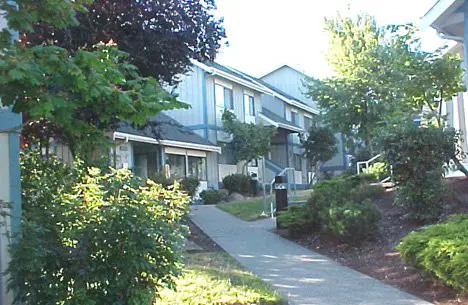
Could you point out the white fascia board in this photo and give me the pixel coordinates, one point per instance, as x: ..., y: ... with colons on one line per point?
x: 142, y: 139
x: 280, y: 125
x: 211, y: 70
x: 435, y: 12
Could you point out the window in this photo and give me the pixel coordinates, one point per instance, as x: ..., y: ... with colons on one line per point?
x: 197, y: 168
x: 308, y: 123
x: 224, y: 100
x: 249, y: 102
x: 176, y: 165
x: 295, y: 118
x: 297, y: 162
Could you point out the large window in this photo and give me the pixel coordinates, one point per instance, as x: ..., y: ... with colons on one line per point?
x: 249, y: 103
x: 181, y: 166
x: 197, y: 168
x: 224, y: 100
x: 295, y: 118
x: 176, y: 165
x: 308, y: 123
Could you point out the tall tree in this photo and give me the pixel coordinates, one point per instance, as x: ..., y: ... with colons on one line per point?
x: 380, y: 73
x: 160, y: 36
x: 81, y: 94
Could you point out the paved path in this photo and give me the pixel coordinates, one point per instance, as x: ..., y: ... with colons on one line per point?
x: 302, y: 276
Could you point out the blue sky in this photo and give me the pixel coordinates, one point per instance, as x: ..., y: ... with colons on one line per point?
x: 265, y: 34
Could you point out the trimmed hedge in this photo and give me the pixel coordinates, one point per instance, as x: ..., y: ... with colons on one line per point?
x: 237, y: 183
x: 440, y: 250
x: 212, y: 196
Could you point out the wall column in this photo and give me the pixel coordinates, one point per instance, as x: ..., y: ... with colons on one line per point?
x: 10, y: 191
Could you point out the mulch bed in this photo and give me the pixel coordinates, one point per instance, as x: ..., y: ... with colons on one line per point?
x: 378, y: 257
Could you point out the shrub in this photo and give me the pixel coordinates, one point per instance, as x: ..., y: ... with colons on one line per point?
x: 353, y: 221
x: 102, y: 237
x: 417, y: 156
x: 212, y: 196
x: 160, y: 178
x: 237, y: 183
x: 339, y: 206
x: 379, y: 170
x: 190, y: 185
x: 440, y: 250
x: 296, y: 220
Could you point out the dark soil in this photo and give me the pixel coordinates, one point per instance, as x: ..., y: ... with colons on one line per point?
x: 378, y: 257
x: 201, y: 239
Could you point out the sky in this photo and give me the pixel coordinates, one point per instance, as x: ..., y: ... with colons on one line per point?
x: 266, y: 34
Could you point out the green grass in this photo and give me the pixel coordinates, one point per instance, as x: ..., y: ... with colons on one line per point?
x: 252, y: 209
x: 214, y: 278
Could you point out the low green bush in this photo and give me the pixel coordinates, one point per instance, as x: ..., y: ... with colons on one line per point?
x: 190, y: 185
x: 213, y: 196
x: 237, y: 183
x: 340, y: 207
x: 440, y: 250
x: 94, y: 236
x: 353, y: 221
x: 296, y: 220
x: 379, y: 170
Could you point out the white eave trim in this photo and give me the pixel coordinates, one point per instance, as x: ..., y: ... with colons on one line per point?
x: 216, y: 72
x: 142, y: 139
x: 435, y: 12
x: 280, y: 125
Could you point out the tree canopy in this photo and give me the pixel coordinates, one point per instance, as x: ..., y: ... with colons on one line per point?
x: 319, y: 145
x: 160, y: 36
x: 380, y: 74
x: 75, y: 94
x: 249, y: 141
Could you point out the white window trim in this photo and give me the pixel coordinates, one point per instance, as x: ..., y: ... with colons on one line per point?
x: 223, y: 83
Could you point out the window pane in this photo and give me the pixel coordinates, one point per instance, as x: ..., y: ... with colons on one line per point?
x: 295, y: 118
x: 219, y: 95
x: 228, y: 100
x: 197, y: 168
x: 297, y: 162
x: 176, y: 165
x: 251, y: 105
x: 307, y: 123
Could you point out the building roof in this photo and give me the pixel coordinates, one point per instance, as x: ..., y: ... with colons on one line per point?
x: 446, y: 16
x: 167, y: 131
x: 282, y: 67
x: 279, y: 121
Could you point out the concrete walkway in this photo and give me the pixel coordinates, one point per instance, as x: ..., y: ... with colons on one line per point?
x: 300, y: 275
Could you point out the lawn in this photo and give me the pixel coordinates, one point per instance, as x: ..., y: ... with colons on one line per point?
x: 214, y: 278
x: 252, y: 208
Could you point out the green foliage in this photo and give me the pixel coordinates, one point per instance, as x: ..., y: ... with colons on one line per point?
x: 296, y: 219
x: 380, y: 73
x: 320, y: 145
x: 92, y: 236
x: 190, y: 185
x: 417, y: 156
x: 353, y: 221
x: 213, y: 196
x: 160, y: 178
x: 379, y: 170
x: 237, y: 183
x: 440, y: 250
x: 249, y: 141
x: 340, y: 206
x: 77, y: 95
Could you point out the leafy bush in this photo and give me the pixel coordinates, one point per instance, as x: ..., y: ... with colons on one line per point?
x: 190, y: 185
x: 296, y: 219
x: 338, y: 206
x: 212, y: 196
x: 379, y: 170
x: 353, y: 221
x: 417, y: 156
x: 440, y: 250
x: 237, y: 183
x: 160, y: 178
x: 93, y: 236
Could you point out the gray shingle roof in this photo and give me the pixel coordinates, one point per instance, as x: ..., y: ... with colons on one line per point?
x: 163, y: 127
x: 276, y: 118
